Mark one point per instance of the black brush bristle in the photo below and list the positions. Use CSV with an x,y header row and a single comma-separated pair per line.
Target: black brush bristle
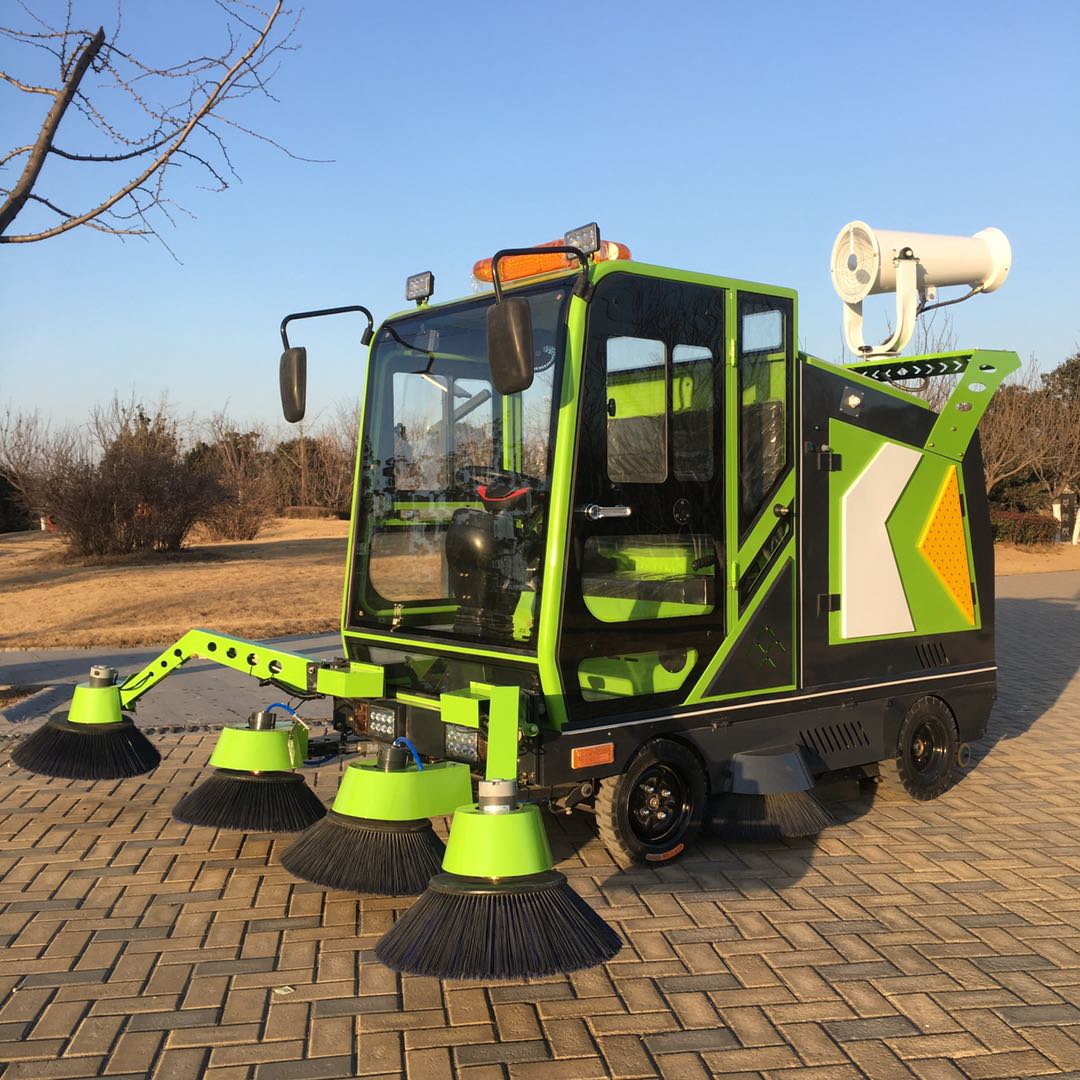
x,y
388,858
791,815
86,751
249,802
465,928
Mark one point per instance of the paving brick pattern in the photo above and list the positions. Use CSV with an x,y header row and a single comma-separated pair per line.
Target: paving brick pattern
x,y
936,940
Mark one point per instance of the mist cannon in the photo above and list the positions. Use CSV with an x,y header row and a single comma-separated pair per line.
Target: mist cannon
x,y
867,262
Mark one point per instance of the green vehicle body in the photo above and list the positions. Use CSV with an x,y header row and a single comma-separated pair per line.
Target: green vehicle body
x,y
725,612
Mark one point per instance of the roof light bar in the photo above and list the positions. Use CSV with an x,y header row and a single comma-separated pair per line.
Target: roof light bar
x,y
534,261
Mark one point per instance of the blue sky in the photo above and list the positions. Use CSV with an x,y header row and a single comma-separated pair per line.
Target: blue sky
x,y
729,138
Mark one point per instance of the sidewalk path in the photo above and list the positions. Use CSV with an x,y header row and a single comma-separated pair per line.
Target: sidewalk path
x,y
200,692
939,940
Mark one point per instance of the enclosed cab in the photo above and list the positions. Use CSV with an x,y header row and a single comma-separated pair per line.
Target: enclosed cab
x,y
707,563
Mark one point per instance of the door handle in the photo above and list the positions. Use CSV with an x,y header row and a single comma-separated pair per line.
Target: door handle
x,y
599,513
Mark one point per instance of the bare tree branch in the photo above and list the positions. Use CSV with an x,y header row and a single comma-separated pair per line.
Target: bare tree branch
x,y
21,191
24,88
206,81
90,224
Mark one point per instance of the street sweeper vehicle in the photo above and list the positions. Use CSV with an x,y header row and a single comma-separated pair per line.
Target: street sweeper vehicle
x,y
616,544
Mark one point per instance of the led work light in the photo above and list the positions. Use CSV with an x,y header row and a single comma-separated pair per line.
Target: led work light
x,y
386,719
419,287
586,239
462,743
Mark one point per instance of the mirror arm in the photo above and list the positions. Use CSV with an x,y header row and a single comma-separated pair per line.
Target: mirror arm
x,y
582,287
365,338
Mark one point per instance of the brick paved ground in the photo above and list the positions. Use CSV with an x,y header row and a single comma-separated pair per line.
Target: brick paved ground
x,y
938,940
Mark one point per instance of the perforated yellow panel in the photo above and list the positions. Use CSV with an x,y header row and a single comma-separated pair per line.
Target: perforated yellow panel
x,y
944,545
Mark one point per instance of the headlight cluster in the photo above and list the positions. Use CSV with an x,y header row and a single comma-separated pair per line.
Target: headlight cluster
x,y
385,721
462,743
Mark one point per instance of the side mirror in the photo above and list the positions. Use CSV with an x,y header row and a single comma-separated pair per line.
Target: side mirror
x,y
510,344
293,375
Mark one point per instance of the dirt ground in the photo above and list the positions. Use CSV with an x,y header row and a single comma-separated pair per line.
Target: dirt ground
x,y
287,581
1010,559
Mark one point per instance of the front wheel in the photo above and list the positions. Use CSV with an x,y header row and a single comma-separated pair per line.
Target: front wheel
x,y
654,809
925,751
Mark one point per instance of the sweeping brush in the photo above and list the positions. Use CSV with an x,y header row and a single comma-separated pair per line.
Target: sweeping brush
x,y
251,802
86,751
389,858
769,817
477,928
499,909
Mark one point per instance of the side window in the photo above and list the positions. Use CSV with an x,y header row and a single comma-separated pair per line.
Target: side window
x,y
764,350
636,390
693,422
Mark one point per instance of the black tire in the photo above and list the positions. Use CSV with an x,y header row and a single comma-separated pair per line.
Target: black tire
x,y
655,808
925,751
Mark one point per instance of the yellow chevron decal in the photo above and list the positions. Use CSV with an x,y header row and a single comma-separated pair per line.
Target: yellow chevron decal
x,y
944,545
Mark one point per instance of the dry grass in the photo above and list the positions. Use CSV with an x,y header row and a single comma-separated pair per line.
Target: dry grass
x,y
287,581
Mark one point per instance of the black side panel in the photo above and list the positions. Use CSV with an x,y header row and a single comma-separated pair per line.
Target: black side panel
x,y
982,536
765,653
823,394
849,726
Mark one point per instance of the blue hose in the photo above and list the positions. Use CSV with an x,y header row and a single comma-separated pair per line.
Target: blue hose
x,y
281,705
412,750
314,763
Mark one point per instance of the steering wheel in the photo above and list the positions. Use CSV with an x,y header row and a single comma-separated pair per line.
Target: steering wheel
x,y
497,488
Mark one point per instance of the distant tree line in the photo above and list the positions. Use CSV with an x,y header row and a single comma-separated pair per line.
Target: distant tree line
x,y
138,479
1031,450
134,479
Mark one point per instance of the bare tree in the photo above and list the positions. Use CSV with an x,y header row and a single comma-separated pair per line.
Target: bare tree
x,y
241,463
1011,431
137,123
1058,464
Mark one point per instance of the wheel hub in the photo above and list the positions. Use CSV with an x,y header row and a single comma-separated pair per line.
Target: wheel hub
x,y
658,804
925,750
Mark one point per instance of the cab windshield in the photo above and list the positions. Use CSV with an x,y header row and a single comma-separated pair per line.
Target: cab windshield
x,y
455,478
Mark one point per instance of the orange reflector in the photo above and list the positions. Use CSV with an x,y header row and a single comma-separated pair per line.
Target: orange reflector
x,y
584,757
515,267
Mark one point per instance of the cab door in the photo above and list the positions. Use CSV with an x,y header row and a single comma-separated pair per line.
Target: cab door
x,y
644,606
758,654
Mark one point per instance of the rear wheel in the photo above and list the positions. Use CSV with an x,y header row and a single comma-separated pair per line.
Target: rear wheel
x,y
654,809
925,751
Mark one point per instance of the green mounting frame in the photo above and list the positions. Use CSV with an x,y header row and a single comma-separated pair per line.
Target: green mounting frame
x,y
463,707
980,372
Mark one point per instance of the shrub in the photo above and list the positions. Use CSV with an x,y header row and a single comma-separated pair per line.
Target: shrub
x,y
124,488
242,467
1013,527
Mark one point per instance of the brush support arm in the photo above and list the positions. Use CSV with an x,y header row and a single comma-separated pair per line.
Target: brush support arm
x,y
300,673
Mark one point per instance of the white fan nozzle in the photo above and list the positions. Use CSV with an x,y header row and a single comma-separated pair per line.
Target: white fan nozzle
x,y
867,261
